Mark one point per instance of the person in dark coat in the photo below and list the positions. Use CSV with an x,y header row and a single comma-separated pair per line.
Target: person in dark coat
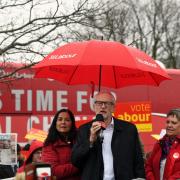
x,y
112,154
20,157
58,146
6,171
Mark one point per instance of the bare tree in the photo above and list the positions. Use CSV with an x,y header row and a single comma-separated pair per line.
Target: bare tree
x,y
163,18
111,23
31,29
152,26
156,23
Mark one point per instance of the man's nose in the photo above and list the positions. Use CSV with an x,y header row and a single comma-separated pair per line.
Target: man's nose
x,y
103,104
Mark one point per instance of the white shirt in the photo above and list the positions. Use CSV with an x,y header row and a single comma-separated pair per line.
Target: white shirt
x,y
162,166
107,152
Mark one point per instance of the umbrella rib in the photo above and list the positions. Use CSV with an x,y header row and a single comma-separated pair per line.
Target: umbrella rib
x,y
72,75
151,74
115,76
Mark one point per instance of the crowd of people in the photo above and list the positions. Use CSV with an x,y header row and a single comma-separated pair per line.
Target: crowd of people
x,y
105,148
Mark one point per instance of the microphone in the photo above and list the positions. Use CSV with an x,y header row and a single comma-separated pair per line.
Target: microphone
x,y
100,118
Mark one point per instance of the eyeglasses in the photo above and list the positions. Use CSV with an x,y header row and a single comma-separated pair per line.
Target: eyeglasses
x,y
105,103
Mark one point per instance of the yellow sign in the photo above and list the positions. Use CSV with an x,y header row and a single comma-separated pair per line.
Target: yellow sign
x,y
156,136
37,134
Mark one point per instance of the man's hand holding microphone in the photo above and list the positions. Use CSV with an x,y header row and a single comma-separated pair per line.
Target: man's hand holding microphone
x,y
96,130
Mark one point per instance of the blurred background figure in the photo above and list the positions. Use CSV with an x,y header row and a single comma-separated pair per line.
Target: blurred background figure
x,y
27,146
8,171
20,157
164,160
34,156
7,144
58,146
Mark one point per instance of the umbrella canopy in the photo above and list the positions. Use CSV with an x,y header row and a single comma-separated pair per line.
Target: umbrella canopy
x,y
104,63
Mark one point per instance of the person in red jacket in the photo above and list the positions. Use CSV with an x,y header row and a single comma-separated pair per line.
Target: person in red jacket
x,y
34,154
58,146
164,161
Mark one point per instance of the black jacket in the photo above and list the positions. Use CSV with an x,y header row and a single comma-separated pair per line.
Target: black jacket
x,y
6,171
126,149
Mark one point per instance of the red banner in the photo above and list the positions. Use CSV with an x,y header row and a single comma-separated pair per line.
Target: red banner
x,y
26,102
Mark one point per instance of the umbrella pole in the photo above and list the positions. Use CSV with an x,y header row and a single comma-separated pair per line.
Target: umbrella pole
x,y
100,69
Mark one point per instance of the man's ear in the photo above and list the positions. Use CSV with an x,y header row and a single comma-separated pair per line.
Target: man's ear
x,y
113,109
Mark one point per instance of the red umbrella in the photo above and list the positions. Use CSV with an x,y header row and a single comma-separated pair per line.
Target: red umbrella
x,y
105,63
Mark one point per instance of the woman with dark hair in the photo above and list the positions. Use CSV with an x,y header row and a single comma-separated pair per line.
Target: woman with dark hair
x,y
164,161
58,146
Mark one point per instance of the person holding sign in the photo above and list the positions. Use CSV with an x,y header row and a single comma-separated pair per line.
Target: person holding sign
x,y
34,156
58,145
8,155
164,161
109,150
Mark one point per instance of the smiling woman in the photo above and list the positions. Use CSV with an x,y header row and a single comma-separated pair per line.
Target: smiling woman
x,y
64,124
173,123
58,145
166,152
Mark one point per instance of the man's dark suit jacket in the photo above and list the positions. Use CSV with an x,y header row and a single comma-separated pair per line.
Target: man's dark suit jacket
x,y
126,150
